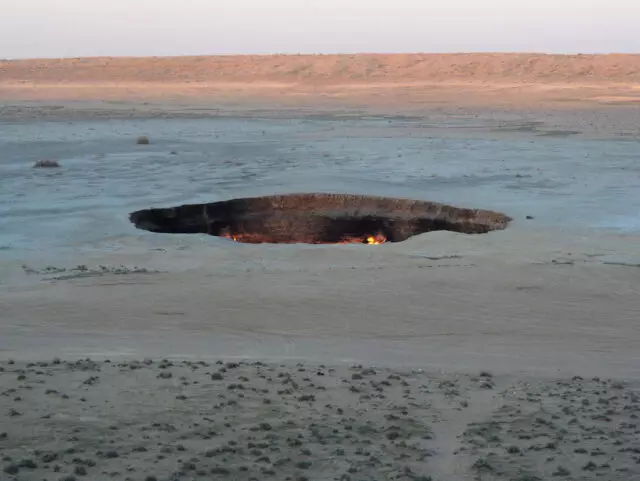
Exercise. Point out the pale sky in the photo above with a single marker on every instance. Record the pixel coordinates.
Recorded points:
(72, 28)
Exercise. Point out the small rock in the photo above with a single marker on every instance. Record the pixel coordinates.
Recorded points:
(220, 470)
(11, 469)
(28, 463)
(142, 140)
(91, 381)
(46, 164)
(482, 464)
(561, 471)
(165, 375)
(210, 453)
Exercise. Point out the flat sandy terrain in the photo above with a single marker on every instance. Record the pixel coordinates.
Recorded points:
(202, 420)
(497, 357)
(508, 356)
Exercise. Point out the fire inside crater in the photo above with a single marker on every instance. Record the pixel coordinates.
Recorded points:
(318, 219)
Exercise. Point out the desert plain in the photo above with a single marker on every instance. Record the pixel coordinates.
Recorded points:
(510, 356)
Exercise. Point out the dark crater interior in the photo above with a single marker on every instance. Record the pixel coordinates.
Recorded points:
(317, 219)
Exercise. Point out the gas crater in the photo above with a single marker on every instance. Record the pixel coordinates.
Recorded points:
(317, 218)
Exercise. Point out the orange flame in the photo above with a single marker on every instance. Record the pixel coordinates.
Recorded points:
(377, 239)
(230, 236)
(256, 239)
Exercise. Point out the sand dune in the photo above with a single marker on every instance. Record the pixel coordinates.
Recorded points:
(326, 69)
(365, 81)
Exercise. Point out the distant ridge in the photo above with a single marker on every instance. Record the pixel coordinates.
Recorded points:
(332, 69)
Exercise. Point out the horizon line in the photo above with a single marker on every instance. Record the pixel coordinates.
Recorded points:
(322, 54)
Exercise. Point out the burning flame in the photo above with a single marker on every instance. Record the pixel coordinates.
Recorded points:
(377, 239)
(256, 239)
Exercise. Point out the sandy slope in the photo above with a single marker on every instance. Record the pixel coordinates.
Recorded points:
(409, 79)
(326, 69)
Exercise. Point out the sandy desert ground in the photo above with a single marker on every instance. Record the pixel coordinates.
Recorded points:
(497, 357)
(508, 356)
(473, 79)
(160, 419)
